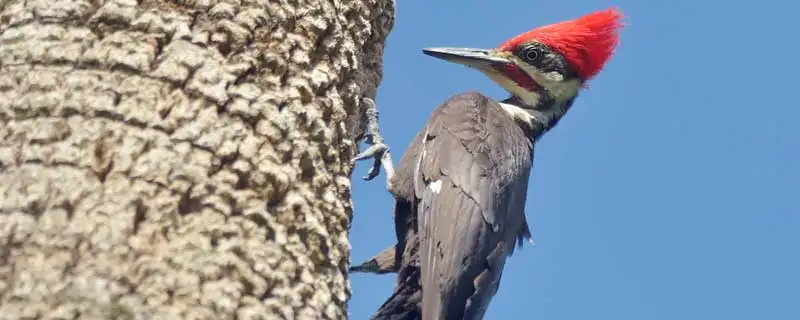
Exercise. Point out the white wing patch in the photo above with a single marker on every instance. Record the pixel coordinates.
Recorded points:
(436, 186)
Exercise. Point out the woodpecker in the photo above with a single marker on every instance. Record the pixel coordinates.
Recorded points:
(460, 189)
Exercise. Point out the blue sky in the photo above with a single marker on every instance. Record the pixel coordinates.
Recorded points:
(670, 191)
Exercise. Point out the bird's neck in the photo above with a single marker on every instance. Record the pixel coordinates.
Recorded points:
(535, 120)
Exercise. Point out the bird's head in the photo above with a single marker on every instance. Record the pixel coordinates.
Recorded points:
(545, 68)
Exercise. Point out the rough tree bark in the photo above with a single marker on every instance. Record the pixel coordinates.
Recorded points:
(181, 159)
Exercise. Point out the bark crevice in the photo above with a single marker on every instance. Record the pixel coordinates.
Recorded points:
(181, 159)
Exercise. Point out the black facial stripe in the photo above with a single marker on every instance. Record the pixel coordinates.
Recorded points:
(567, 105)
(547, 60)
(545, 98)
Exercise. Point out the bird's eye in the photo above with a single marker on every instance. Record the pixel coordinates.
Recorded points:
(531, 54)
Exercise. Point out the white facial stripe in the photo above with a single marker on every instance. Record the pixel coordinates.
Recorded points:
(518, 114)
(554, 82)
(529, 116)
(559, 89)
(528, 97)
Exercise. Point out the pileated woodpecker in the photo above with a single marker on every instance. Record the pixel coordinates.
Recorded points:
(461, 186)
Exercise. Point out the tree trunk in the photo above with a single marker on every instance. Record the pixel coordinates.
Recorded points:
(181, 159)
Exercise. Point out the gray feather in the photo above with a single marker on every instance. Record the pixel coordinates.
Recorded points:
(481, 158)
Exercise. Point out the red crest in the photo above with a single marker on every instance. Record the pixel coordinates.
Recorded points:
(586, 42)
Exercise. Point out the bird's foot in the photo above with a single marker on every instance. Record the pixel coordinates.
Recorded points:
(377, 150)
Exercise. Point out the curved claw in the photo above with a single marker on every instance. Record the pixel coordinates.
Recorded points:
(378, 151)
(373, 172)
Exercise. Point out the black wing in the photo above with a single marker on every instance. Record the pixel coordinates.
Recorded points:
(471, 180)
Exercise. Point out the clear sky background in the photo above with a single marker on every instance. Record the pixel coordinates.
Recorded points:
(671, 190)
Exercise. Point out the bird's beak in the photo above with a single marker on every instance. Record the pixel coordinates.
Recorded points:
(483, 59)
